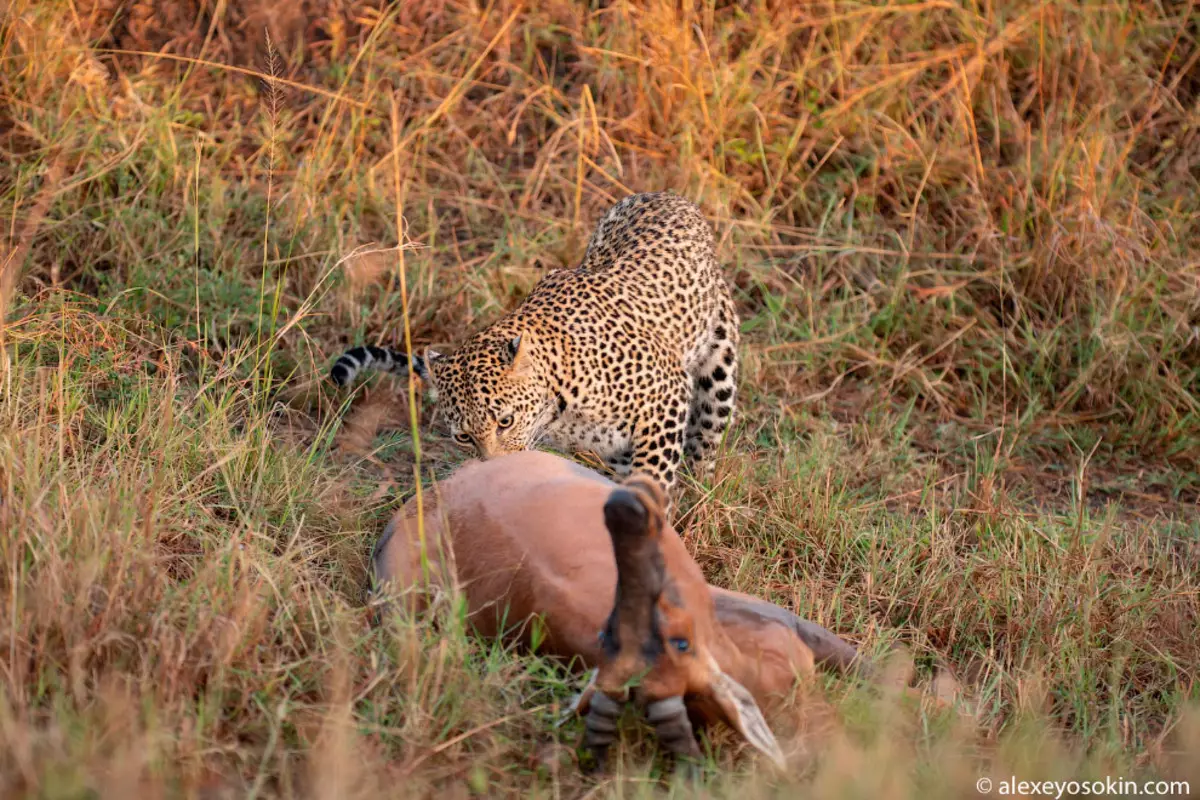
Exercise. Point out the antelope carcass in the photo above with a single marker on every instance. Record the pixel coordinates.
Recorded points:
(532, 534)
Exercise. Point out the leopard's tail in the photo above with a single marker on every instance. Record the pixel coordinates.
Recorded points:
(382, 359)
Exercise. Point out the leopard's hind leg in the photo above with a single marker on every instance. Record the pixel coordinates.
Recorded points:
(714, 392)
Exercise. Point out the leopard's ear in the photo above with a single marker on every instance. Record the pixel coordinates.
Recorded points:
(518, 350)
(424, 367)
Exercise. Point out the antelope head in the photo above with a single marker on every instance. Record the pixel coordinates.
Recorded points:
(661, 640)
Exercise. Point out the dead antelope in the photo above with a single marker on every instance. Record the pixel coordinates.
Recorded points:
(531, 534)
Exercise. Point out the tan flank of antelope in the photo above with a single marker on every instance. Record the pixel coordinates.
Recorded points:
(531, 534)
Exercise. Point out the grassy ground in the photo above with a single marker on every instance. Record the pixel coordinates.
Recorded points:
(964, 239)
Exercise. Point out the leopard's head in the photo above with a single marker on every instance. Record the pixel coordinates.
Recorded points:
(491, 393)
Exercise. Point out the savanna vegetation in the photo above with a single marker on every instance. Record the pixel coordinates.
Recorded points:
(965, 243)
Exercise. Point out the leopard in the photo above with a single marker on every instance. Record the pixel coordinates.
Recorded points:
(631, 356)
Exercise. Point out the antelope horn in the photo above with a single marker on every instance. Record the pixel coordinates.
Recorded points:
(672, 726)
(600, 726)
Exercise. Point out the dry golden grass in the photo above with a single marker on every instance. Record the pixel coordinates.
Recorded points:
(964, 240)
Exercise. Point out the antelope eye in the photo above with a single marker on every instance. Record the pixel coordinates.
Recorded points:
(505, 422)
(681, 645)
(462, 438)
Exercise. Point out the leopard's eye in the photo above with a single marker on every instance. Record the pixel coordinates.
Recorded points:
(505, 422)
(462, 438)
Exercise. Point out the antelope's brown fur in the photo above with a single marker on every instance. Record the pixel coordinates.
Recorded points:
(524, 535)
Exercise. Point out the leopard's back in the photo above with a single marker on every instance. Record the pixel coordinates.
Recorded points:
(650, 270)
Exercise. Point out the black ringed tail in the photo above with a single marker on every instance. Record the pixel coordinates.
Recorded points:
(368, 357)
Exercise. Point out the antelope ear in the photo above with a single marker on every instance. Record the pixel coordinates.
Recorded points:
(580, 703)
(518, 349)
(744, 715)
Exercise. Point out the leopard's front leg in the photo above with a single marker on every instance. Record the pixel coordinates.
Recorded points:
(657, 441)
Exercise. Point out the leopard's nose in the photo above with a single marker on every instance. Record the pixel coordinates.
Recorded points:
(490, 449)
(494, 448)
